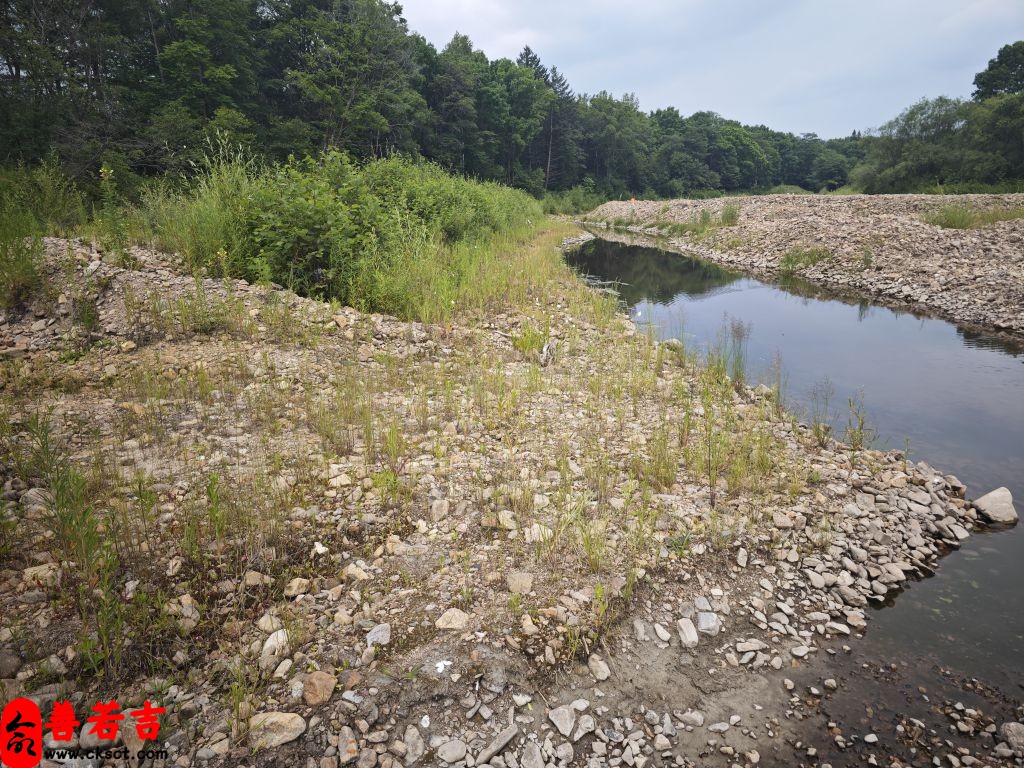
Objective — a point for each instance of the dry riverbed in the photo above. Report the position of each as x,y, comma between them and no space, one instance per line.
527,537
880,246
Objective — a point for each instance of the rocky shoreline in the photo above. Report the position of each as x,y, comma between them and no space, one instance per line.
510,558
878,246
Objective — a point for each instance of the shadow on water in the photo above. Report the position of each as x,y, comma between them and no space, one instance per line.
955,396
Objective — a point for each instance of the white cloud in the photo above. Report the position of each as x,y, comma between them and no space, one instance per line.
800,65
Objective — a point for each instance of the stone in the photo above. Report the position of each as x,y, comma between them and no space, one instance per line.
454,619
297,586
781,520
45,575
379,635
452,751
277,644
598,667
318,687
800,651
1013,734
414,746
272,729
519,582
687,633
563,718
439,509
532,756
497,746
997,506
269,624
10,663
584,725
693,718
708,623
348,746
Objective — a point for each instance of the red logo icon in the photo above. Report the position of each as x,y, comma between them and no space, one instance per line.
21,734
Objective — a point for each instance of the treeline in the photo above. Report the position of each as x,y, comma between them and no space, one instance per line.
141,86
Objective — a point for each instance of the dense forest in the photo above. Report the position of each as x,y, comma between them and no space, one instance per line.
143,86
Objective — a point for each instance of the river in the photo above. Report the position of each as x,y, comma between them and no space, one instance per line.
956,398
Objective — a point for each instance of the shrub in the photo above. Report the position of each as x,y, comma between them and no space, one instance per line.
20,257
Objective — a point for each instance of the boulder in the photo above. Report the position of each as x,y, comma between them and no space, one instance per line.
997,506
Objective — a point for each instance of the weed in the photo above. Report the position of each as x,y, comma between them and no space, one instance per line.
796,259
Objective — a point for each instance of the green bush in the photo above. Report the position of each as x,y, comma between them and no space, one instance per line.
392,236
579,199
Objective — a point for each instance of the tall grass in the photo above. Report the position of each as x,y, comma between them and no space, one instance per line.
391,236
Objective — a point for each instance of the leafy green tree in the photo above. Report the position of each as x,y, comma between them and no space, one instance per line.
1004,74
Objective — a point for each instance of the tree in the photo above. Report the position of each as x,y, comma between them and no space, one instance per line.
1004,73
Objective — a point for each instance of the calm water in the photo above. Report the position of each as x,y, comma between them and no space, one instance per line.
958,398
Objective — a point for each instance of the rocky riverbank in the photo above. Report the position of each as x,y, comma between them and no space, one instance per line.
879,246
529,537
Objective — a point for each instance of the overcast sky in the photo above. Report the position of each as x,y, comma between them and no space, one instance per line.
822,66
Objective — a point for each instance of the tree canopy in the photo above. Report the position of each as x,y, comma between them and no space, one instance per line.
143,86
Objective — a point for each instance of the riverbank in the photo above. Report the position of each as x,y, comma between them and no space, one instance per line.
880,246
528,536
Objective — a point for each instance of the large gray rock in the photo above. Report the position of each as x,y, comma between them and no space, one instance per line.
1013,734
997,506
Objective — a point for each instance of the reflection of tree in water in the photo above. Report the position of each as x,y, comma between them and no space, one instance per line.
648,273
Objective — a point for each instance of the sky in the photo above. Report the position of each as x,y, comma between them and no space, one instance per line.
806,66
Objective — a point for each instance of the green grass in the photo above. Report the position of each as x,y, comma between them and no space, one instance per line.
702,224
798,258
967,217
20,258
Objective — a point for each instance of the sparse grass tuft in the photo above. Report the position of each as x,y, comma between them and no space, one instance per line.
967,217
796,259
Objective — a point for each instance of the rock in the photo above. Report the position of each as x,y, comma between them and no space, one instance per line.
269,624
598,667
452,751
1013,734
379,635
499,743
687,633
297,586
414,746
318,687
661,742
519,582
348,746
277,644
781,520
564,718
272,729
10,663
693,718
997,506
45,575
708,623
439,509
800,651
453,618
532,757
584,726
718,727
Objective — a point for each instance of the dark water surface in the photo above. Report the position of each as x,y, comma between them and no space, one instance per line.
957,396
